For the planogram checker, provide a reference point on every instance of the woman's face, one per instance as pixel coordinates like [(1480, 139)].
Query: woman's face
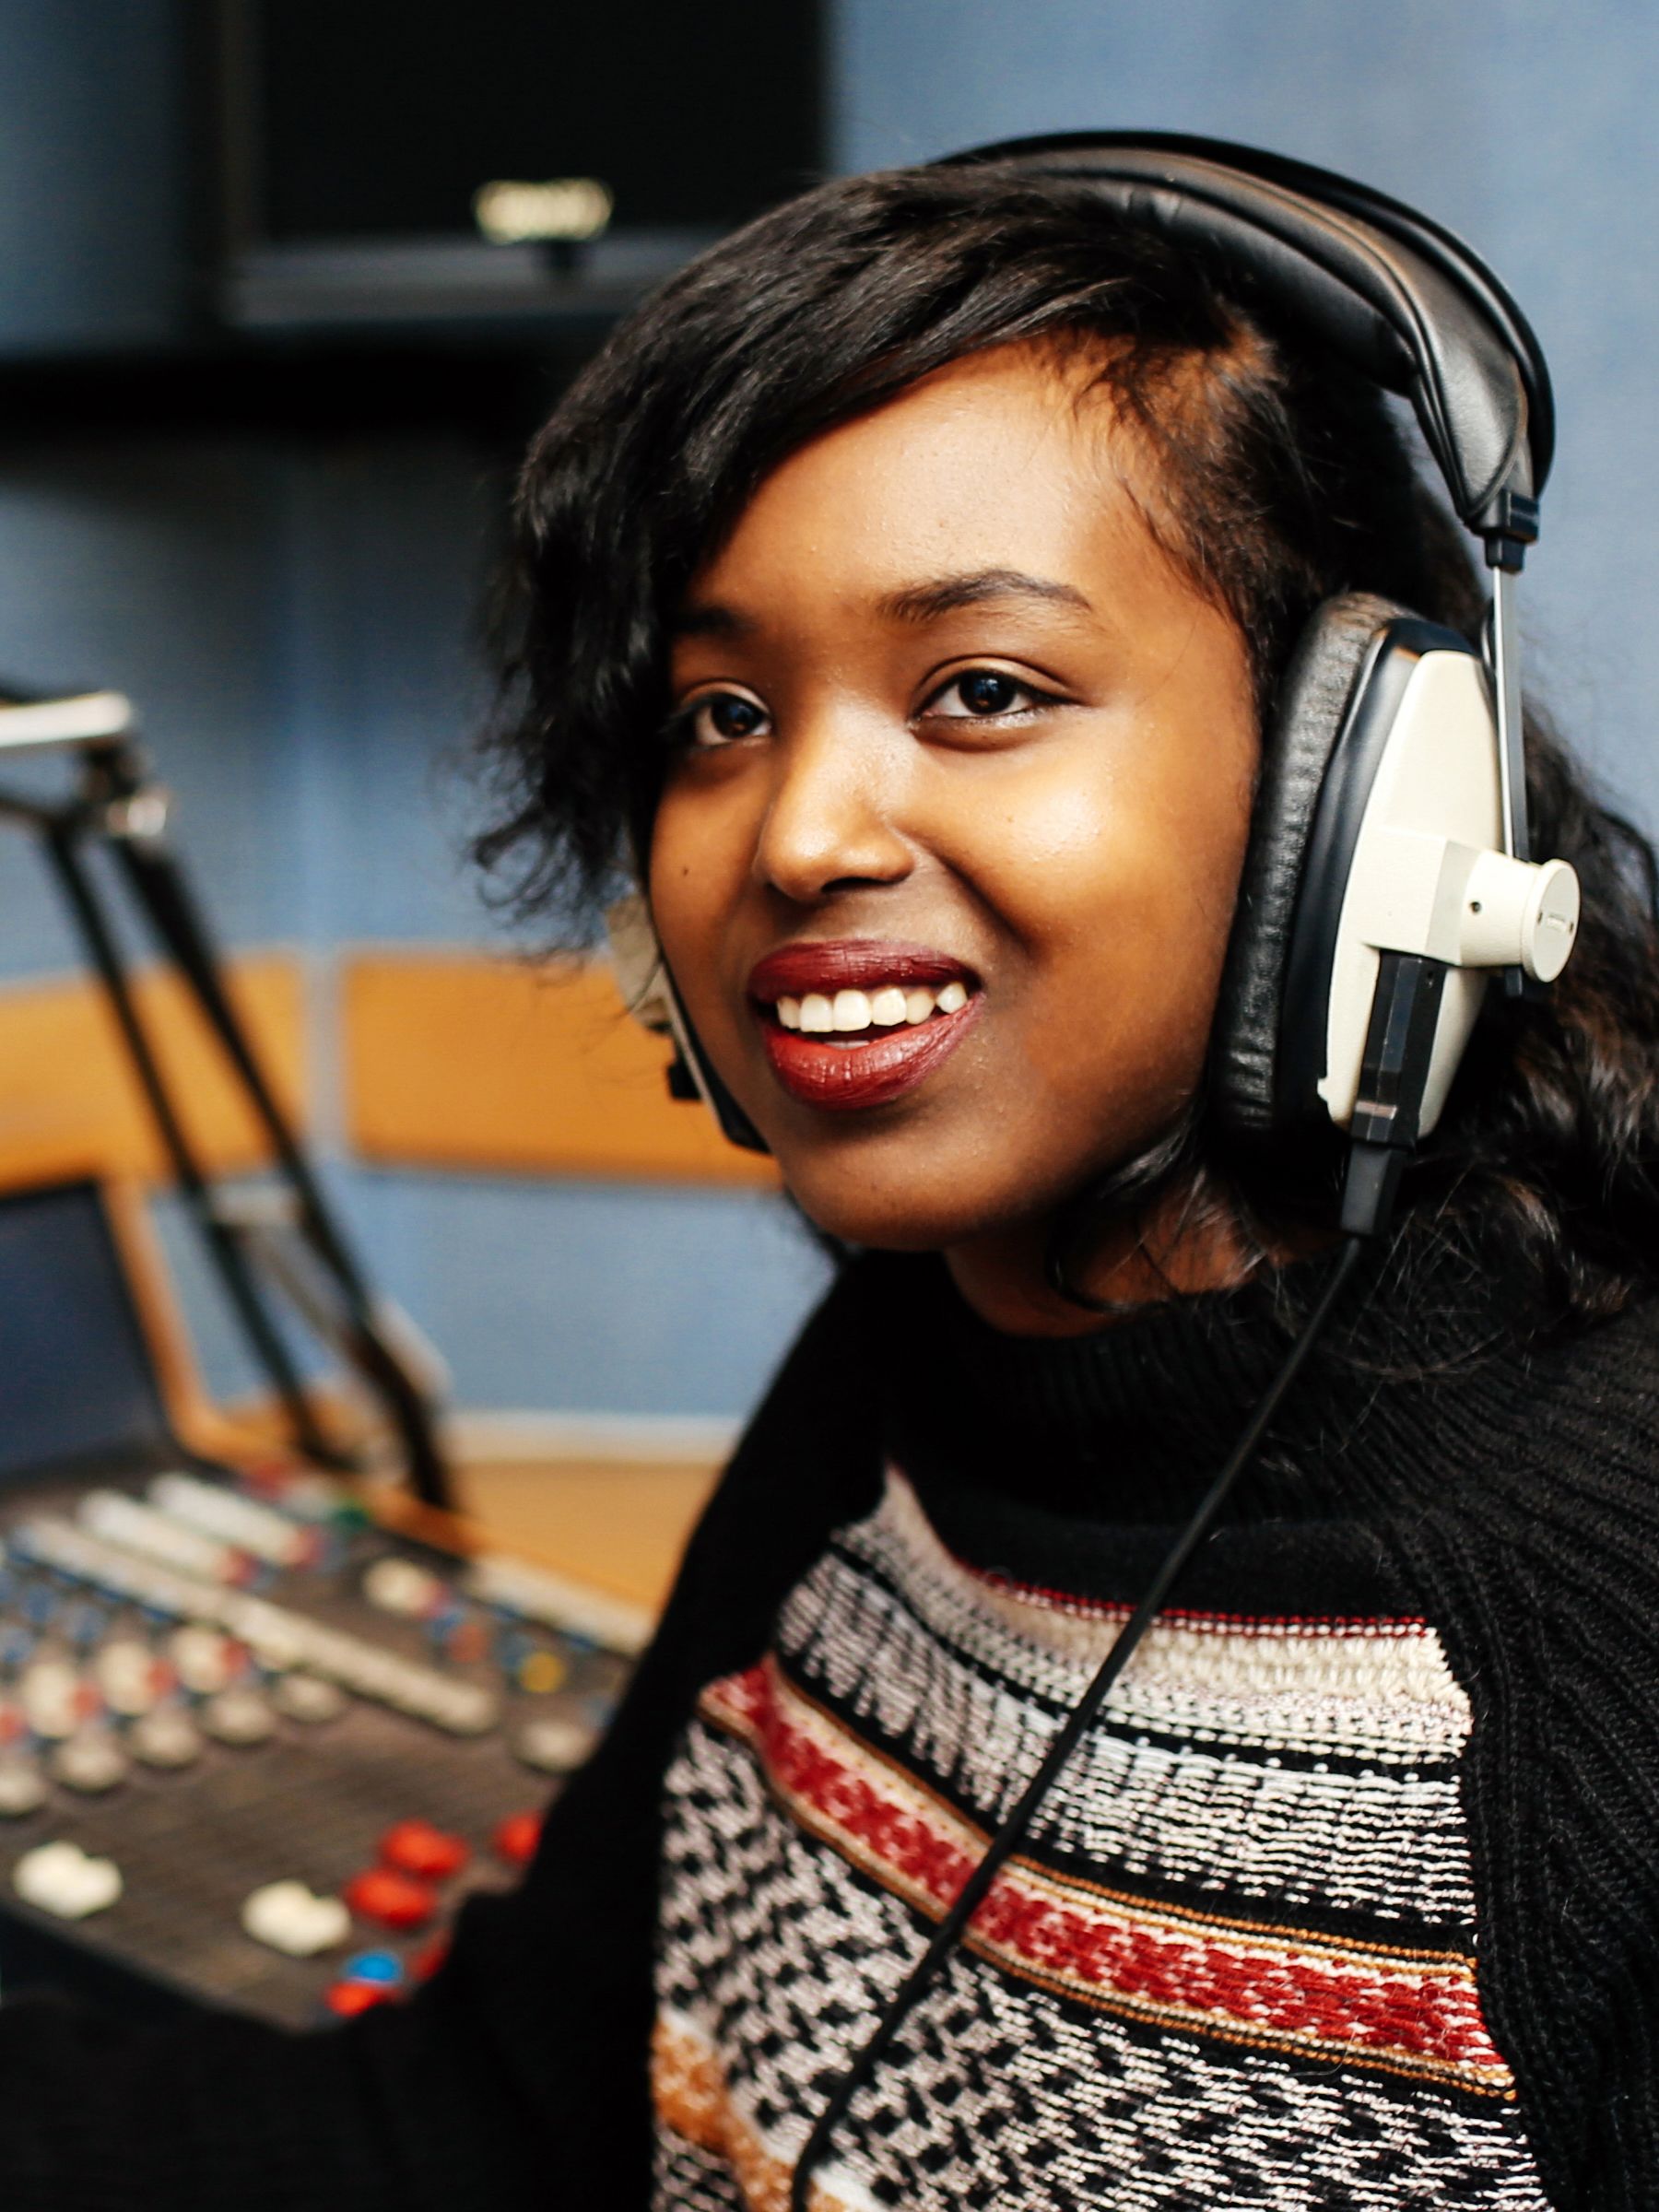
[(952, 826)]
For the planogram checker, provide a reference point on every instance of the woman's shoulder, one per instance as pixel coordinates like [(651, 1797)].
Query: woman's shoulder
[(1592, 1390), (1544, 1521)]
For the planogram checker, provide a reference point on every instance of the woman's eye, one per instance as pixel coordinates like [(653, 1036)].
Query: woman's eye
[(720, 719), (983, 695)]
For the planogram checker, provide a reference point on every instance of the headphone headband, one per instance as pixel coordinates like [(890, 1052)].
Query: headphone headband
[(1411, 306)]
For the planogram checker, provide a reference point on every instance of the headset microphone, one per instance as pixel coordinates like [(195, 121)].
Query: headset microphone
[(649, 993)]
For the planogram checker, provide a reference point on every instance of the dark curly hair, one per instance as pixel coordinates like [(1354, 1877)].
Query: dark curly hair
[(1284, 477)]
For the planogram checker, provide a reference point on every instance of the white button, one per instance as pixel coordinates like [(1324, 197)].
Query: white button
[(22, 1790), (305, 1698), (61, 1879), (238, 1716), (166, 1738), (397, 1585), (125, 1670), (292, 1918), (554, 1746), (204, 1658), (91, 1762), (49, 1690)]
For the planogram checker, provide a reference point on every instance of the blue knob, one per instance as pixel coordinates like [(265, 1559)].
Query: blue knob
[(381, 1969)]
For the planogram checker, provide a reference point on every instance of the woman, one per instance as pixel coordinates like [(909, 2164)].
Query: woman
[(907, 589), (956, 541)]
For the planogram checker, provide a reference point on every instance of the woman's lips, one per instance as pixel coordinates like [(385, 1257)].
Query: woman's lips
[(836, 964), (884, 1053), (841, 1077)]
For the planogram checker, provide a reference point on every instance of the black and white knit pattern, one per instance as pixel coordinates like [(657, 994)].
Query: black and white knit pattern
[(1233, 1966)]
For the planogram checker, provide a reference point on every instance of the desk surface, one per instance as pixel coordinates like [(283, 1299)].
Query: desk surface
[(621, 1524)]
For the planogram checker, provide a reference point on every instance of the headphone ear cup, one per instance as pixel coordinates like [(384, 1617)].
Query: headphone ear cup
[(1296, 748)]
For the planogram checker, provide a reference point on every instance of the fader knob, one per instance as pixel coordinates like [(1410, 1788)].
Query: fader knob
[(165, 1738), (126, 1672), (399, 1586), (49, 1690), (541, 1672), (22, 1787), (377, 1969), (91, 1762), (345, 2000), (206, 1661), (238, 1716), (309, 1698)]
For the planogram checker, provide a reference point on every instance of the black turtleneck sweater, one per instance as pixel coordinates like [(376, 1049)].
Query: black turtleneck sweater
[(1349, 1898)]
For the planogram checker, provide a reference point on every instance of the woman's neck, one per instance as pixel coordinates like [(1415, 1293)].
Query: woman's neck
[(1170, 1250)]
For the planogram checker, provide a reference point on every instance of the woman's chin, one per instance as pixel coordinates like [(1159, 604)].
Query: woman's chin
[(873, 1222), (922, 1212)]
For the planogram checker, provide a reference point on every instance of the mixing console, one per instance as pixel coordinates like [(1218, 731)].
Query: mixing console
[(254, 1748)]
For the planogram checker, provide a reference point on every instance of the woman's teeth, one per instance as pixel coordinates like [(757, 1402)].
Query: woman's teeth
[(850, 1011)]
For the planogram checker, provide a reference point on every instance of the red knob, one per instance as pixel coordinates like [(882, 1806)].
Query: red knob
[(428, 1959), (396, 1899), (516, 1839), (417, 1847), (348, 1998)]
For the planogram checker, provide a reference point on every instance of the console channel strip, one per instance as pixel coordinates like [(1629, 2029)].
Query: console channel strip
[(255, 1747)]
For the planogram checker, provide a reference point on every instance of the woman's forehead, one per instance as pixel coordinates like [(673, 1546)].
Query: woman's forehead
[(986, 480)]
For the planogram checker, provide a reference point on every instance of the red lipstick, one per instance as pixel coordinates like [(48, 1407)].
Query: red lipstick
[(872, 1067), (849, 964)]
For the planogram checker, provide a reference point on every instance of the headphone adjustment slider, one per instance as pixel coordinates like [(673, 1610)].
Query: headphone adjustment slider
[(1507, 526)]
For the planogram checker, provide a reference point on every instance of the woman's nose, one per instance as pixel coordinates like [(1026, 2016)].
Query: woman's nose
[(830, 817)]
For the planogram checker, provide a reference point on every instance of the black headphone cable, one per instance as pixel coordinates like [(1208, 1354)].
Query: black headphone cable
[(1002, 1845)]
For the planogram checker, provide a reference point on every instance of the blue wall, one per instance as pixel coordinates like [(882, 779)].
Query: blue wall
[(1528, 128), (294, 618), (92, 211)]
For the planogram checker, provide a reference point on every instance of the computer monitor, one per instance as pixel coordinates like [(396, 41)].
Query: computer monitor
[(78, 1378)]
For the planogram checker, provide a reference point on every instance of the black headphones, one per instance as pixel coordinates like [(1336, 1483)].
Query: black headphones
[(1389, 874)]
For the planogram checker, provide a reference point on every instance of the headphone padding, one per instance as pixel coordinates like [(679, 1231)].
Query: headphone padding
[(1313, 702)]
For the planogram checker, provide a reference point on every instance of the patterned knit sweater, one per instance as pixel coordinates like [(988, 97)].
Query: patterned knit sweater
[(1349, 1899), (1234, 1964), (1286, 1932)]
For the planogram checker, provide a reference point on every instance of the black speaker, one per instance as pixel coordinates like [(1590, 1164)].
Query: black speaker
[(417, 157)]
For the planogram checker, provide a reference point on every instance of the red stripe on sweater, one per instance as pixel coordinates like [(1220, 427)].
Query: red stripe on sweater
[(1411, 2011)]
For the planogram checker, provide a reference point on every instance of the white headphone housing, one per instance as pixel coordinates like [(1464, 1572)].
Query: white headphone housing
[(1428, 878)]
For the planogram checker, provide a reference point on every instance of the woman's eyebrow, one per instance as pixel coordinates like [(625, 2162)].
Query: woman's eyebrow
[(914, 602), (946, 594), (708, 619)]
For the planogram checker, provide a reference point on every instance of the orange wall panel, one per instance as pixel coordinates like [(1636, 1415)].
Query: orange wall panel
[(456, 1060), (68, 1089)]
